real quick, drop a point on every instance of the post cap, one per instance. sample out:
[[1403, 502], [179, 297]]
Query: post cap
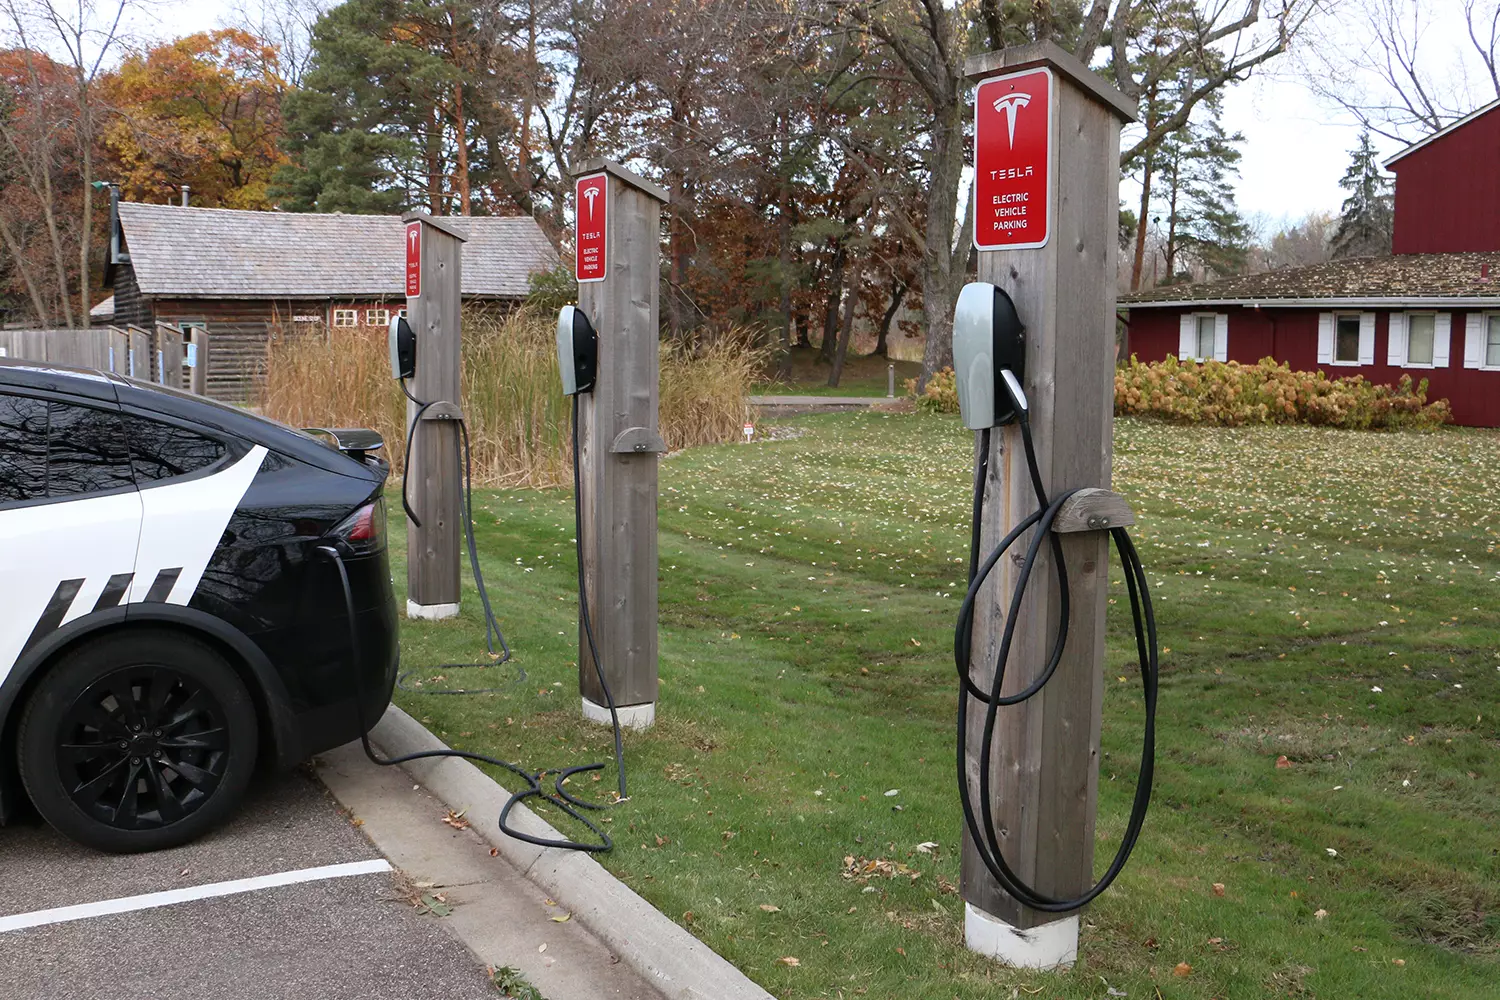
[[440, 224], [635, 180], [1063, 62]]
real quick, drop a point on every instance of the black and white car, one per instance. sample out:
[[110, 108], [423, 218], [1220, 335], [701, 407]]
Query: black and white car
[[167, 622]]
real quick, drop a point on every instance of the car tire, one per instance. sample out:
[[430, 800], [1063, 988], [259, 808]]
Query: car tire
[[138, 742]]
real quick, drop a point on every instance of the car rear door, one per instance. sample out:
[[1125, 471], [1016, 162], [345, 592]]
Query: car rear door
[[70, 515]]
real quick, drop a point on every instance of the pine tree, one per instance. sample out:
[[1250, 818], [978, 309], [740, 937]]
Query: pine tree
[[1367, 215], [1203, 226]]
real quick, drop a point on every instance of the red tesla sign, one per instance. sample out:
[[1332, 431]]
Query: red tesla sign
[[590, 218], [413, 260], [1013, 160]]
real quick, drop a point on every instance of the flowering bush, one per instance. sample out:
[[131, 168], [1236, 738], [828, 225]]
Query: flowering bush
[[1231, 394], [940, 395]]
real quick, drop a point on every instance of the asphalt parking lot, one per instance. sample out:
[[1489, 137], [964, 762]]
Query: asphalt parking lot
[[327, 937]]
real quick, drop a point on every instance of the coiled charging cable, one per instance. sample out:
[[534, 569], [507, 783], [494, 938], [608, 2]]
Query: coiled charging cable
[[981, 827], [536, 784]]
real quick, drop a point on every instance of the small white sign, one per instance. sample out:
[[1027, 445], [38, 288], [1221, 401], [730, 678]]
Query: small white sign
[[192, 355], [307, 318], [749, 431]]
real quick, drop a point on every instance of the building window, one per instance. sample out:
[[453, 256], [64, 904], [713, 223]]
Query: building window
[[1205, 337], [346, 317], [1419, 332], [1492, 344], [377, 317], [1346, 340]]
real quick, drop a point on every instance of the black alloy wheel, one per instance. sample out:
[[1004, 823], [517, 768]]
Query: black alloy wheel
[[142, 747], [138, 741]]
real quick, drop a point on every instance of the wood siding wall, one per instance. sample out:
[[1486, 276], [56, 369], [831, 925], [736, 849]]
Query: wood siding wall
[[1291, 335], [1448, 192], [131, 308]]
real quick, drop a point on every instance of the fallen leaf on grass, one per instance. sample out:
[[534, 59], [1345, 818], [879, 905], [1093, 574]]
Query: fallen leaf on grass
[[1182, 969], [790, 960], [892, 791], [1282, 763], [770, 908], [927, 846], [1115, 993], [1321, 914], [1398, 961], [1218, 888]]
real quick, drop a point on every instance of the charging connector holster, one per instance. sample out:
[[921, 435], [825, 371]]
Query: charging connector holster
[[988, 336]]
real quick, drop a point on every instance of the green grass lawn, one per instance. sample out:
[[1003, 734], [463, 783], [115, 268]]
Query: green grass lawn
[[1326, 596], [863, 375]]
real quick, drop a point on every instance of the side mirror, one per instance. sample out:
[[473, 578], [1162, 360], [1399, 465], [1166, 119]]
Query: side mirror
[[402, 341], [577, 351], [988, 340]]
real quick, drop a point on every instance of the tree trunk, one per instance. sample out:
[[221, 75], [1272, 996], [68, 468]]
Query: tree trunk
[[945, 159], [831, 311], [898, 293], [463, 149], [1140, 227], [43, 314], [784, 251], [85, 237], [846, 331]]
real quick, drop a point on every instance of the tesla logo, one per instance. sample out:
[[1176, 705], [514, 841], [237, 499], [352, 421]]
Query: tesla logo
[[1011, 104], [591, 193], [411, 239]]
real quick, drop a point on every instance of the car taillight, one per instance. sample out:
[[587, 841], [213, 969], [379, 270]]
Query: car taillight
[[364, 530]]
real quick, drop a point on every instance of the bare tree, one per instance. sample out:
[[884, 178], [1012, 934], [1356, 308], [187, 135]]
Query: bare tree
[[1404, 69], [286, 24], [84, 32]]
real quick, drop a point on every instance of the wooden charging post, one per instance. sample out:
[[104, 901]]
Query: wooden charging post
[[618, 265], [1048, 174], [434, 253]]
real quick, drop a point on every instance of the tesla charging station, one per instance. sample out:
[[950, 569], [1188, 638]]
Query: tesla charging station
[[434, 310], [1047, 141], [617, 240]]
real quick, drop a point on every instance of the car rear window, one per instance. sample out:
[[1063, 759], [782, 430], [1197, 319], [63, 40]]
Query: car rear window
[[159, 450]]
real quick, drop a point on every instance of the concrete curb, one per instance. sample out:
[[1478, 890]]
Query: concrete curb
[[644, 938]]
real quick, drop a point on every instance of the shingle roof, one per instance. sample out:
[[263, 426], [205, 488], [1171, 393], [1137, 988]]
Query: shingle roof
[[229, 253], [1401, 276]]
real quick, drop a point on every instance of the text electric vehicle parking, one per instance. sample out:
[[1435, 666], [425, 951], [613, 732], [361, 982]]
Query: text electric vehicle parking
[[166, 619]]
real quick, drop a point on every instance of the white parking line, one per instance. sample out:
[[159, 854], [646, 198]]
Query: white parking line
[[171, 897]]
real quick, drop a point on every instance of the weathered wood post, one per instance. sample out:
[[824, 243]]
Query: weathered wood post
[[618, 265], [434, 252], [1047, 173], [197, 360]]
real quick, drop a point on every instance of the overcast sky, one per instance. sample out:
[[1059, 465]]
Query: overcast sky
[[1294, 153]]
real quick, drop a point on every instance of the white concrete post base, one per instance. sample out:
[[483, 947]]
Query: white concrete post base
[[631, 716], [1050, 946], [431, 612]]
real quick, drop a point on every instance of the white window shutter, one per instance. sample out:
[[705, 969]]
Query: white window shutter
[[1325, 338], [1395, 354], [1367, 338], [1221, 337], [1442, 334], [1187, 337], [1474, 340]]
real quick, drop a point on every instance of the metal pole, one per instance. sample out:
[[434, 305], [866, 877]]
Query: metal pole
[[619, 444], [435, 313], [890, 381], [1045, 767]]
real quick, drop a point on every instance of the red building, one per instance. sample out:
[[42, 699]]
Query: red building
[[1431, 310]]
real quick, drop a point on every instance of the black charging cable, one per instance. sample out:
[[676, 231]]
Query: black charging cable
[[492, 631], [981, 828], [536, 786]]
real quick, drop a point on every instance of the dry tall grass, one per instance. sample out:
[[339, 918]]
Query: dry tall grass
[[517, 415]]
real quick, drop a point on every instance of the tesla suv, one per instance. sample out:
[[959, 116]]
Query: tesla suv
[[167, 619]]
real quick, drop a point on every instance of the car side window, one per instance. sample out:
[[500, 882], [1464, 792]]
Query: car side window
[[52, 450], [163, 451], [23, 449], [85, 451]]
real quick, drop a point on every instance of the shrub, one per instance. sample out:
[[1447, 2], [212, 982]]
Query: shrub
[[1231, 394], [940, 394], [517, 415]]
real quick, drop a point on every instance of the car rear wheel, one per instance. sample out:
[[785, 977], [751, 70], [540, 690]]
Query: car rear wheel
[[138, 741]]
